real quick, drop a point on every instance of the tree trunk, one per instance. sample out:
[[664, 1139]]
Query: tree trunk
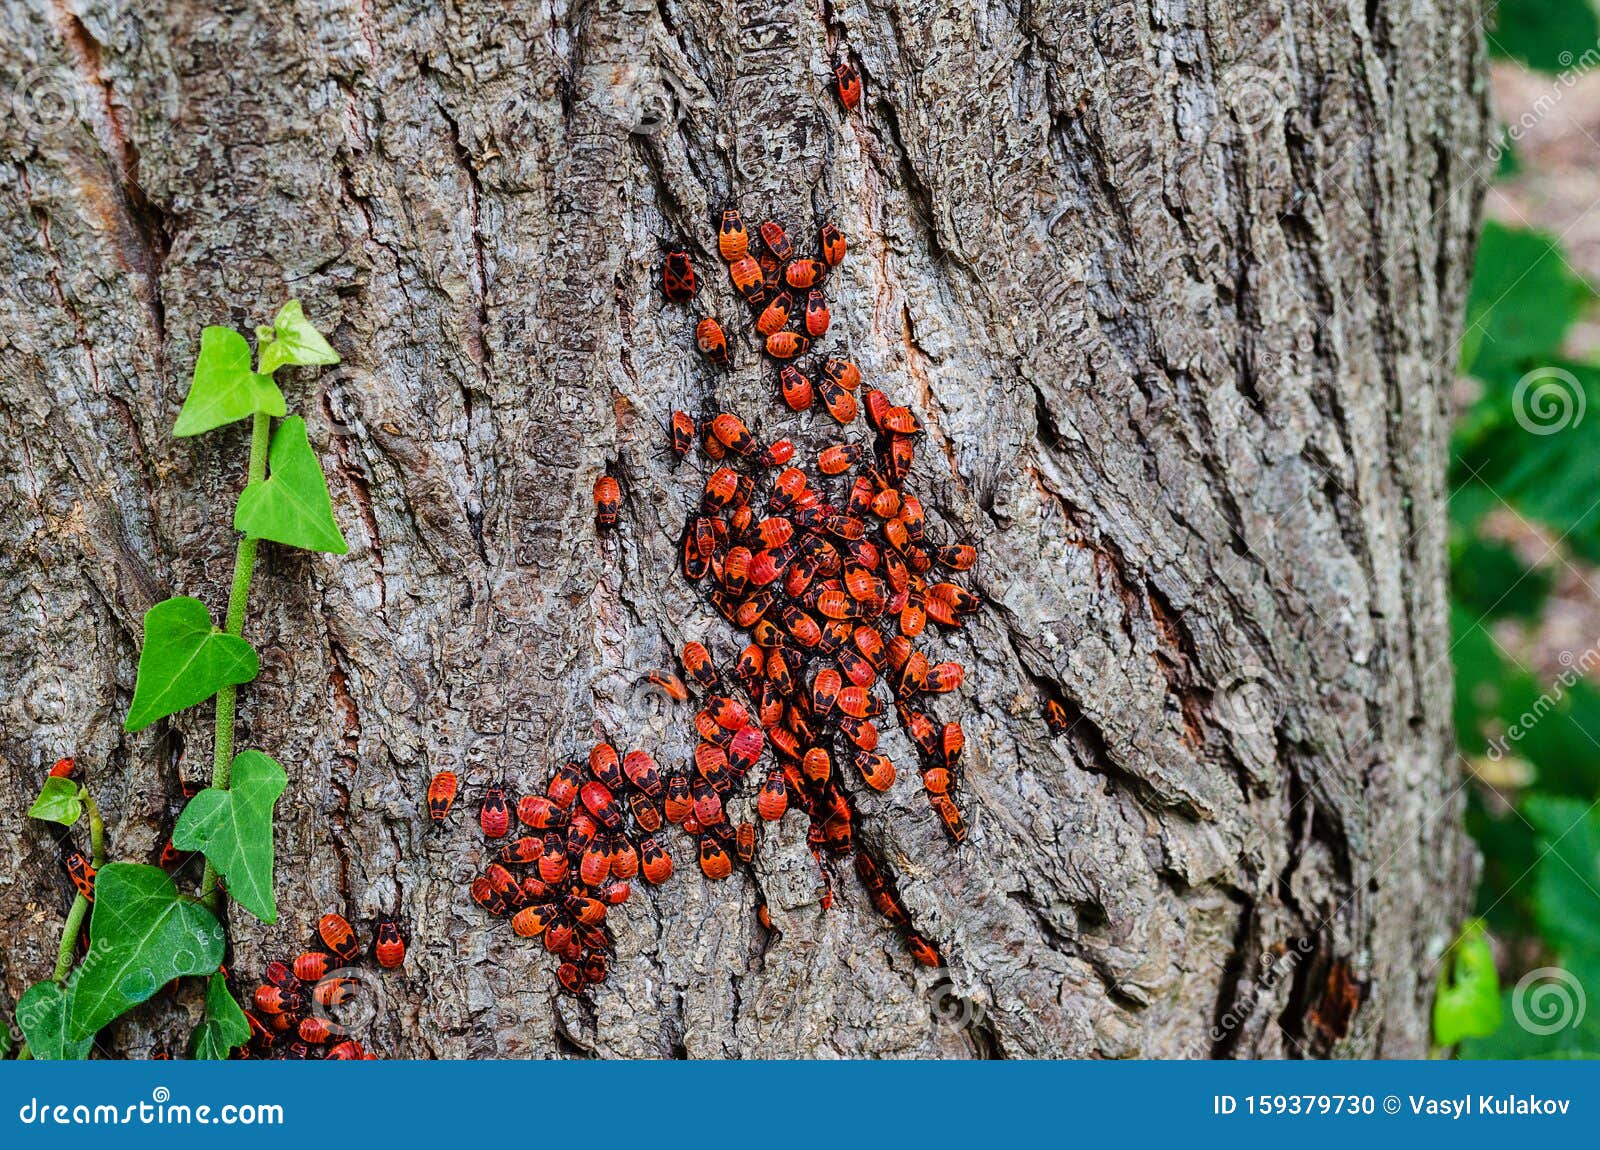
[[1174, 290]]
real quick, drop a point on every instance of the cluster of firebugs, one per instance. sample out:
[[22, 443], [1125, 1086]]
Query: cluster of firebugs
[[294, 1013], [832, 588], [569, 854]]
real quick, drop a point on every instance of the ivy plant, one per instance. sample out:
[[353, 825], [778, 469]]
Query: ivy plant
[[144, 931]]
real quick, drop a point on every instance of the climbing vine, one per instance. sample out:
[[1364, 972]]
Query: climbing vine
[[143, 931]]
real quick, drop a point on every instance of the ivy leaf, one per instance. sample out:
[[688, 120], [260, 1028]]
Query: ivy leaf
[[185, 661], [291, 505], [142, 935], [1467, 1004], [42, 1017], [224, 388], [58, 802], [224, 1025], [234, 829], [291, 339]]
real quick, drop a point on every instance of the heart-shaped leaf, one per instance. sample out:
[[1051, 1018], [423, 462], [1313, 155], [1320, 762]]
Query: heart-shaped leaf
[[234, 829], [142, 935], [60, 801], [291, 339], [185, 661], [1467, 1003], [224, 388], [291, 505], [42, 1017], [224, 1025]]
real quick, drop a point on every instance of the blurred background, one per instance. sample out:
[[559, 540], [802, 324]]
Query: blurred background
[[1524, 978]]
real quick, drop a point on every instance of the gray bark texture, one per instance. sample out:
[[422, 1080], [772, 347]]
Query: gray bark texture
[[1174, 287]]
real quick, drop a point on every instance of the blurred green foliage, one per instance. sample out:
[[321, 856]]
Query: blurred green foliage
[[1545, 34], [1526, 449]]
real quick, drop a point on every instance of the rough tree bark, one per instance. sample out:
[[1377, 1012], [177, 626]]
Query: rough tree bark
[[1174, 286]]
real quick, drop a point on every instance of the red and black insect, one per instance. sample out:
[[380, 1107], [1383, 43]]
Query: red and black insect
[[682, 433], [804, 274], [796, 388], [817, 315], [775, 316], [607, 501], [833, 245], [787, 345], [441, 796], [733, 241], [708, 336], [81, 871], [777, 240], [337, 936], [677, 277], [63, 767], [748, 280], [493, 816], [1055, 717], [311, 966], [847, 81]]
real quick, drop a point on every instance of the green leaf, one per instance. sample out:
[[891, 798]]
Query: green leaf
[[1548, 35], [224, 387], [1566, 901], [42, 1017], [142, 935], [224, 1025], [1467, 1004], [1524, 296], [234, 829], [1548, 1014], [60, 801], [291, 505], [185, 661], [292, 340]]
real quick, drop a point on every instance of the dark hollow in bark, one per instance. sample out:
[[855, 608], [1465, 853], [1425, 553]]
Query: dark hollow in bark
[[1175, 289]]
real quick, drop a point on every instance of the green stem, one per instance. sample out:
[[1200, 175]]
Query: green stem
[[69, 938], [97, 831], [244, 565], [80, 905]]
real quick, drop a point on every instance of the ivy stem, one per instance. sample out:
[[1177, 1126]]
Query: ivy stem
[[80, 905], [244, 565]]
